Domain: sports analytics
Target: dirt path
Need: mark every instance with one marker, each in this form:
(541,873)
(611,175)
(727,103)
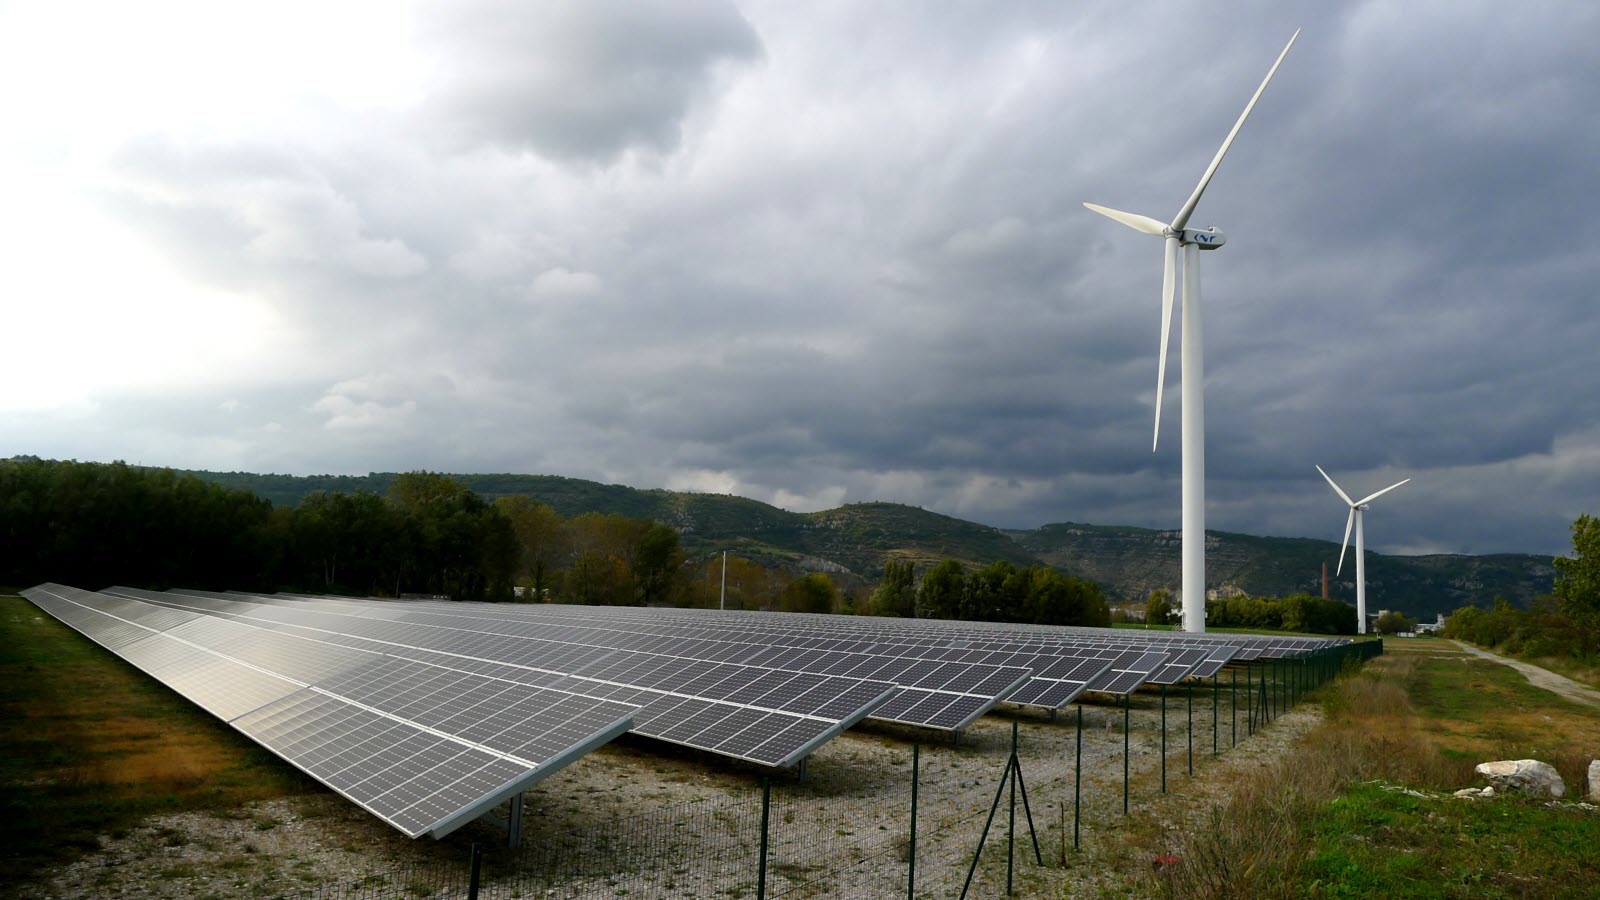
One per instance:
(1559,685)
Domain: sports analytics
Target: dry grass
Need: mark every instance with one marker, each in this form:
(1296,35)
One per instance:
(1419,720)
(90,747)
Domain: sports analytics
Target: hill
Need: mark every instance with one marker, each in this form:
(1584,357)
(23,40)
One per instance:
(1130,562)
(855,539)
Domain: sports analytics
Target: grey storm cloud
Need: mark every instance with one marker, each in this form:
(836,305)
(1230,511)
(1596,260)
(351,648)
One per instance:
(582,79)
(835,252)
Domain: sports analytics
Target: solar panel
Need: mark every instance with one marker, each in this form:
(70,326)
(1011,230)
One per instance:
(351,731)
(1179,665)
(1128,672)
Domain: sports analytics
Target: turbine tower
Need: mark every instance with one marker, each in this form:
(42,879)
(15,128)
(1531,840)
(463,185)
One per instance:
(1191,240)
(1356,506)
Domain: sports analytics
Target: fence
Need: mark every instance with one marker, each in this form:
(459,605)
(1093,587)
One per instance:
(914,832)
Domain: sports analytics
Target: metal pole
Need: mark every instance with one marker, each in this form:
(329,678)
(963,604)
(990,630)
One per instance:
(1027,810)
(1163,739)
(911,877)
(1233,709)
(1250,691)
(723,602)
(984,837)
(766,805)
(472,882)
(1011,826)
(1126,700)
(1188,698)
(1213,714)
(1077,780)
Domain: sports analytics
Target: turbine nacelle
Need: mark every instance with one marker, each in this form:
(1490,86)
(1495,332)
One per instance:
(1209,239)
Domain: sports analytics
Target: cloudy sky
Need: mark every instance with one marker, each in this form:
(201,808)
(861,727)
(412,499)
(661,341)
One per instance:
(817,253)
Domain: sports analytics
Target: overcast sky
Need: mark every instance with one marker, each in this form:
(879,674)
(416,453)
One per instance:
(817,253)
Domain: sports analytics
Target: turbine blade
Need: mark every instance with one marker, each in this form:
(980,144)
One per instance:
(1182,218)
(1132,220)
(1386,490)
(1336,488)
(1349,520)
(1168,273)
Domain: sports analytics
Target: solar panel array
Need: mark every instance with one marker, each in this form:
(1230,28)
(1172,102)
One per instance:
(424,748)
(758,714)
(428,713)
(1059,664)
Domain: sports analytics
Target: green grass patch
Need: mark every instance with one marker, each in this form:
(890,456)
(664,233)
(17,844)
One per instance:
(1323,821)
(1375,842)
(90,746)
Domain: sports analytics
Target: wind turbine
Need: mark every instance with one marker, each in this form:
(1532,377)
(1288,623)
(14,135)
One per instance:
(1192,240)
(1356,506)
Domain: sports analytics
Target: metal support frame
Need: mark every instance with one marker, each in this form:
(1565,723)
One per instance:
(1013,776)
(514,832)
(802,770)
(511,825)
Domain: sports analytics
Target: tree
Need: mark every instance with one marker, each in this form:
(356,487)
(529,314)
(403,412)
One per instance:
(1577,588)
(810,593)
(1393,622)
(1158,609)
(940,594)
(541,538)
(896,594)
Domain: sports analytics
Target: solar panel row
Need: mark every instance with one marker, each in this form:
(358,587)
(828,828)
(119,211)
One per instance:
(928,693)
(425,757)
(746,712)
(1063,662)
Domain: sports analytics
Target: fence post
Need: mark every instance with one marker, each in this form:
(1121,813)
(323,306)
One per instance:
(911,877)
(1077,780)
(1213,714)
(1233,708)
(766,806)
(1188,699)
(1126,700)
(1163,739)
(472,880)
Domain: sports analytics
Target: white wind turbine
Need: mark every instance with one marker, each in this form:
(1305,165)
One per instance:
(1356,506)
(1192,240)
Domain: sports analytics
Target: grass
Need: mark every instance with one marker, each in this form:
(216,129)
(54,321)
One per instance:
(89,746)
(1362,806)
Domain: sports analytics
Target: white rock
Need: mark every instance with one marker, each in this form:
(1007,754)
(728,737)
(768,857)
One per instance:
(1467,792)
(1487,792)
(1594,780)
(1529,776)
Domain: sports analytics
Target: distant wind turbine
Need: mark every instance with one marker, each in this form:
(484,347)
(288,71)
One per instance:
(1192,240)
(1356,506)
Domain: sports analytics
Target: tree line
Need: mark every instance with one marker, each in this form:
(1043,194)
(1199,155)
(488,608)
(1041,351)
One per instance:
(1564,623)
(998,592)
(99,524)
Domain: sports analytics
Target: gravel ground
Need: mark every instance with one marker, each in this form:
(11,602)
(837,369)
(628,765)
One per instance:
(643,819)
